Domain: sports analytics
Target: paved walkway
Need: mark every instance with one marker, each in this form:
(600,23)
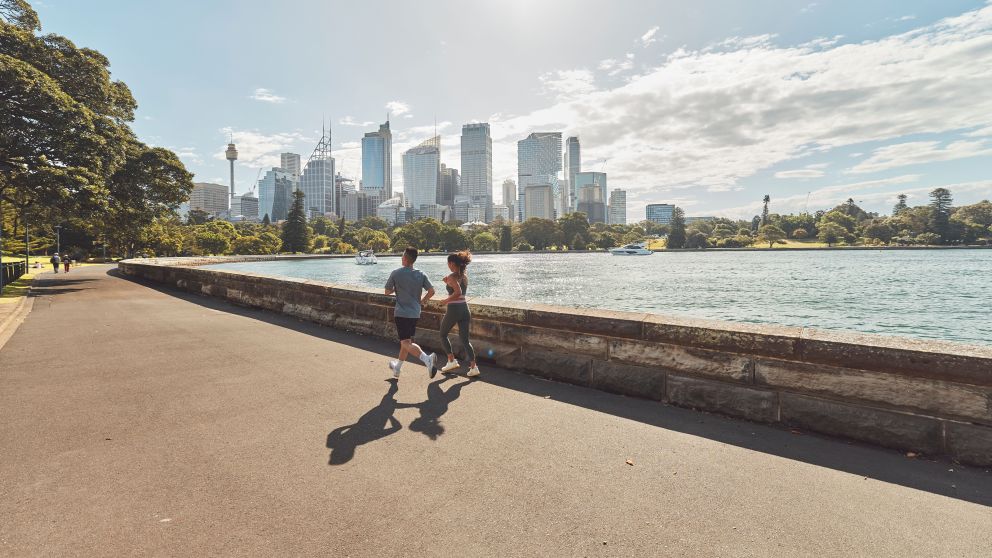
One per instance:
(138,421)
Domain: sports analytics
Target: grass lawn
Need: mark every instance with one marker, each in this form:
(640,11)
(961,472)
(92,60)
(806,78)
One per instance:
(14,291)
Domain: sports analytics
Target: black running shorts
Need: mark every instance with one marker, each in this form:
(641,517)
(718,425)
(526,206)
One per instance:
(405,327)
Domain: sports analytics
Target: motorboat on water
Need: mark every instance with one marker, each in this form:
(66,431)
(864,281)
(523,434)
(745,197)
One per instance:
(366,257)
(631,250)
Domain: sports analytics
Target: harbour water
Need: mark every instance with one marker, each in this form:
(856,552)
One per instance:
(933,294)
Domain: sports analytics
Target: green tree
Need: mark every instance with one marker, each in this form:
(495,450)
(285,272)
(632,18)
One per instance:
(900,205)
(771,234)
(697,241)
(878,229)
(800,234)
(940,212)
(374,223)
(523,246)
(485,242)
(370,239)
(505,238)
(676,234)
(540,233)
(839,218)
(271,243)
(322,225)
(831,233)
(453,238)
(575,227)
(296,234)
(212,243)
(764,211)
(928,239)
(266,222)
(197,217)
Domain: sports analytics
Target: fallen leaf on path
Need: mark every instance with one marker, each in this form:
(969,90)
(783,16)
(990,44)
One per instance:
(629,462)
(794,431)
(911,454)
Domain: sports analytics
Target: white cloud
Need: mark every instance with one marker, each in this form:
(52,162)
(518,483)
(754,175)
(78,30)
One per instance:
(809,8)
(919,152)
(649,37)
(350,144)
(267,96)
(350,121)
(567,84)
(397,108)
(705,119)
(907,18)
(980,133)
(613,66)
(257,149)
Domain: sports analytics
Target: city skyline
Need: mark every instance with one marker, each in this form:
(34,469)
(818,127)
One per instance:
(709,105)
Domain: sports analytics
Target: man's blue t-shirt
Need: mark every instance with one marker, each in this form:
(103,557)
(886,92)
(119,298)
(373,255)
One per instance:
(409,285)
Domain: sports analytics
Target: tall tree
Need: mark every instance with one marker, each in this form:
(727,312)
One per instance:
(831,233)
(539,233)
(676,234)
(940,212)
(764,212)
(505,238)
(296,234)
(575,228)
(900,205)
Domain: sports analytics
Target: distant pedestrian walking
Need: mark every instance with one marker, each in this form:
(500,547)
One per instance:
(408,284)
(457,313)
(66,260)
(55,262)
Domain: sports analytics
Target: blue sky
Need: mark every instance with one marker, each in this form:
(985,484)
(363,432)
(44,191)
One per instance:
(709,104)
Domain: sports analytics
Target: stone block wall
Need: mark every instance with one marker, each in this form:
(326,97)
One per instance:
(914,395)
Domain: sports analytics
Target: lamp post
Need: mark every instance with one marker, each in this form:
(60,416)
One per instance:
(58,239)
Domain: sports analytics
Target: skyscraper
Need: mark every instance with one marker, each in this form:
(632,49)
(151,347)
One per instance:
(510,198)
(477,166)
(540,202)
(448,188)
(573,165)
(317,180)
(275,191)
(660,213)
(377,162)
(209,197)
(422,173)
(581,180)
(538,163)
(290,162)
(617,209)
(591,203)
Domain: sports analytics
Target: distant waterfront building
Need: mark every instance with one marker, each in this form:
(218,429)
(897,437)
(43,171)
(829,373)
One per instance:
(583,179)
(538,164)
(510,197)
(356,206)
(573,165)
(422,173)
(539,202)
(393,211)
(290,162)
(438,212)
(245,208)
(209,197)
(591,203)
(448,186)
(377,162)
(660,213)
(275,191)
(477,165)
(318,180)
(501,212)
(342,186)
(617,208)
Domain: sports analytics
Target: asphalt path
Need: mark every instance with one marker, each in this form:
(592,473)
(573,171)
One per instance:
(136,420)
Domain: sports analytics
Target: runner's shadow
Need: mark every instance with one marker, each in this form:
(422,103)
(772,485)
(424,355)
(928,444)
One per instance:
(436,405)
(375,424)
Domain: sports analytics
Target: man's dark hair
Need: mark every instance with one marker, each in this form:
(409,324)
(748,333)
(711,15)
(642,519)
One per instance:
(410,253)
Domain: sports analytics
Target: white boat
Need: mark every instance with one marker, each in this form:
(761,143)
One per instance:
(366,257)
(631,250)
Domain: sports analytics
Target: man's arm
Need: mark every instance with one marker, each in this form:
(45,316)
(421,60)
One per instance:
(390,285)
(428,296)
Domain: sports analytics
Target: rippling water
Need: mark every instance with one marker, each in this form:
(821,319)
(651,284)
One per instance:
(936,294)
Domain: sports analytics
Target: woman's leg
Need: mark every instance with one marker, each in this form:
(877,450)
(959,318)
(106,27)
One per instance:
(464,325)
(448,322)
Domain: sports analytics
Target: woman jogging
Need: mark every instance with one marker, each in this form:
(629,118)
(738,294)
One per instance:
(457,312)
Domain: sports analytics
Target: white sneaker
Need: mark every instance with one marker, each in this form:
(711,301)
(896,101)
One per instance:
(394,368)
(473,372)
(431,368)
(451,366)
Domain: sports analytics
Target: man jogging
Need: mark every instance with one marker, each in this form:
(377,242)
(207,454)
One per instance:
(408,283)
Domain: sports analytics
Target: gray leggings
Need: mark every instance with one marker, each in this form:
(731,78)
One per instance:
(457,314)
